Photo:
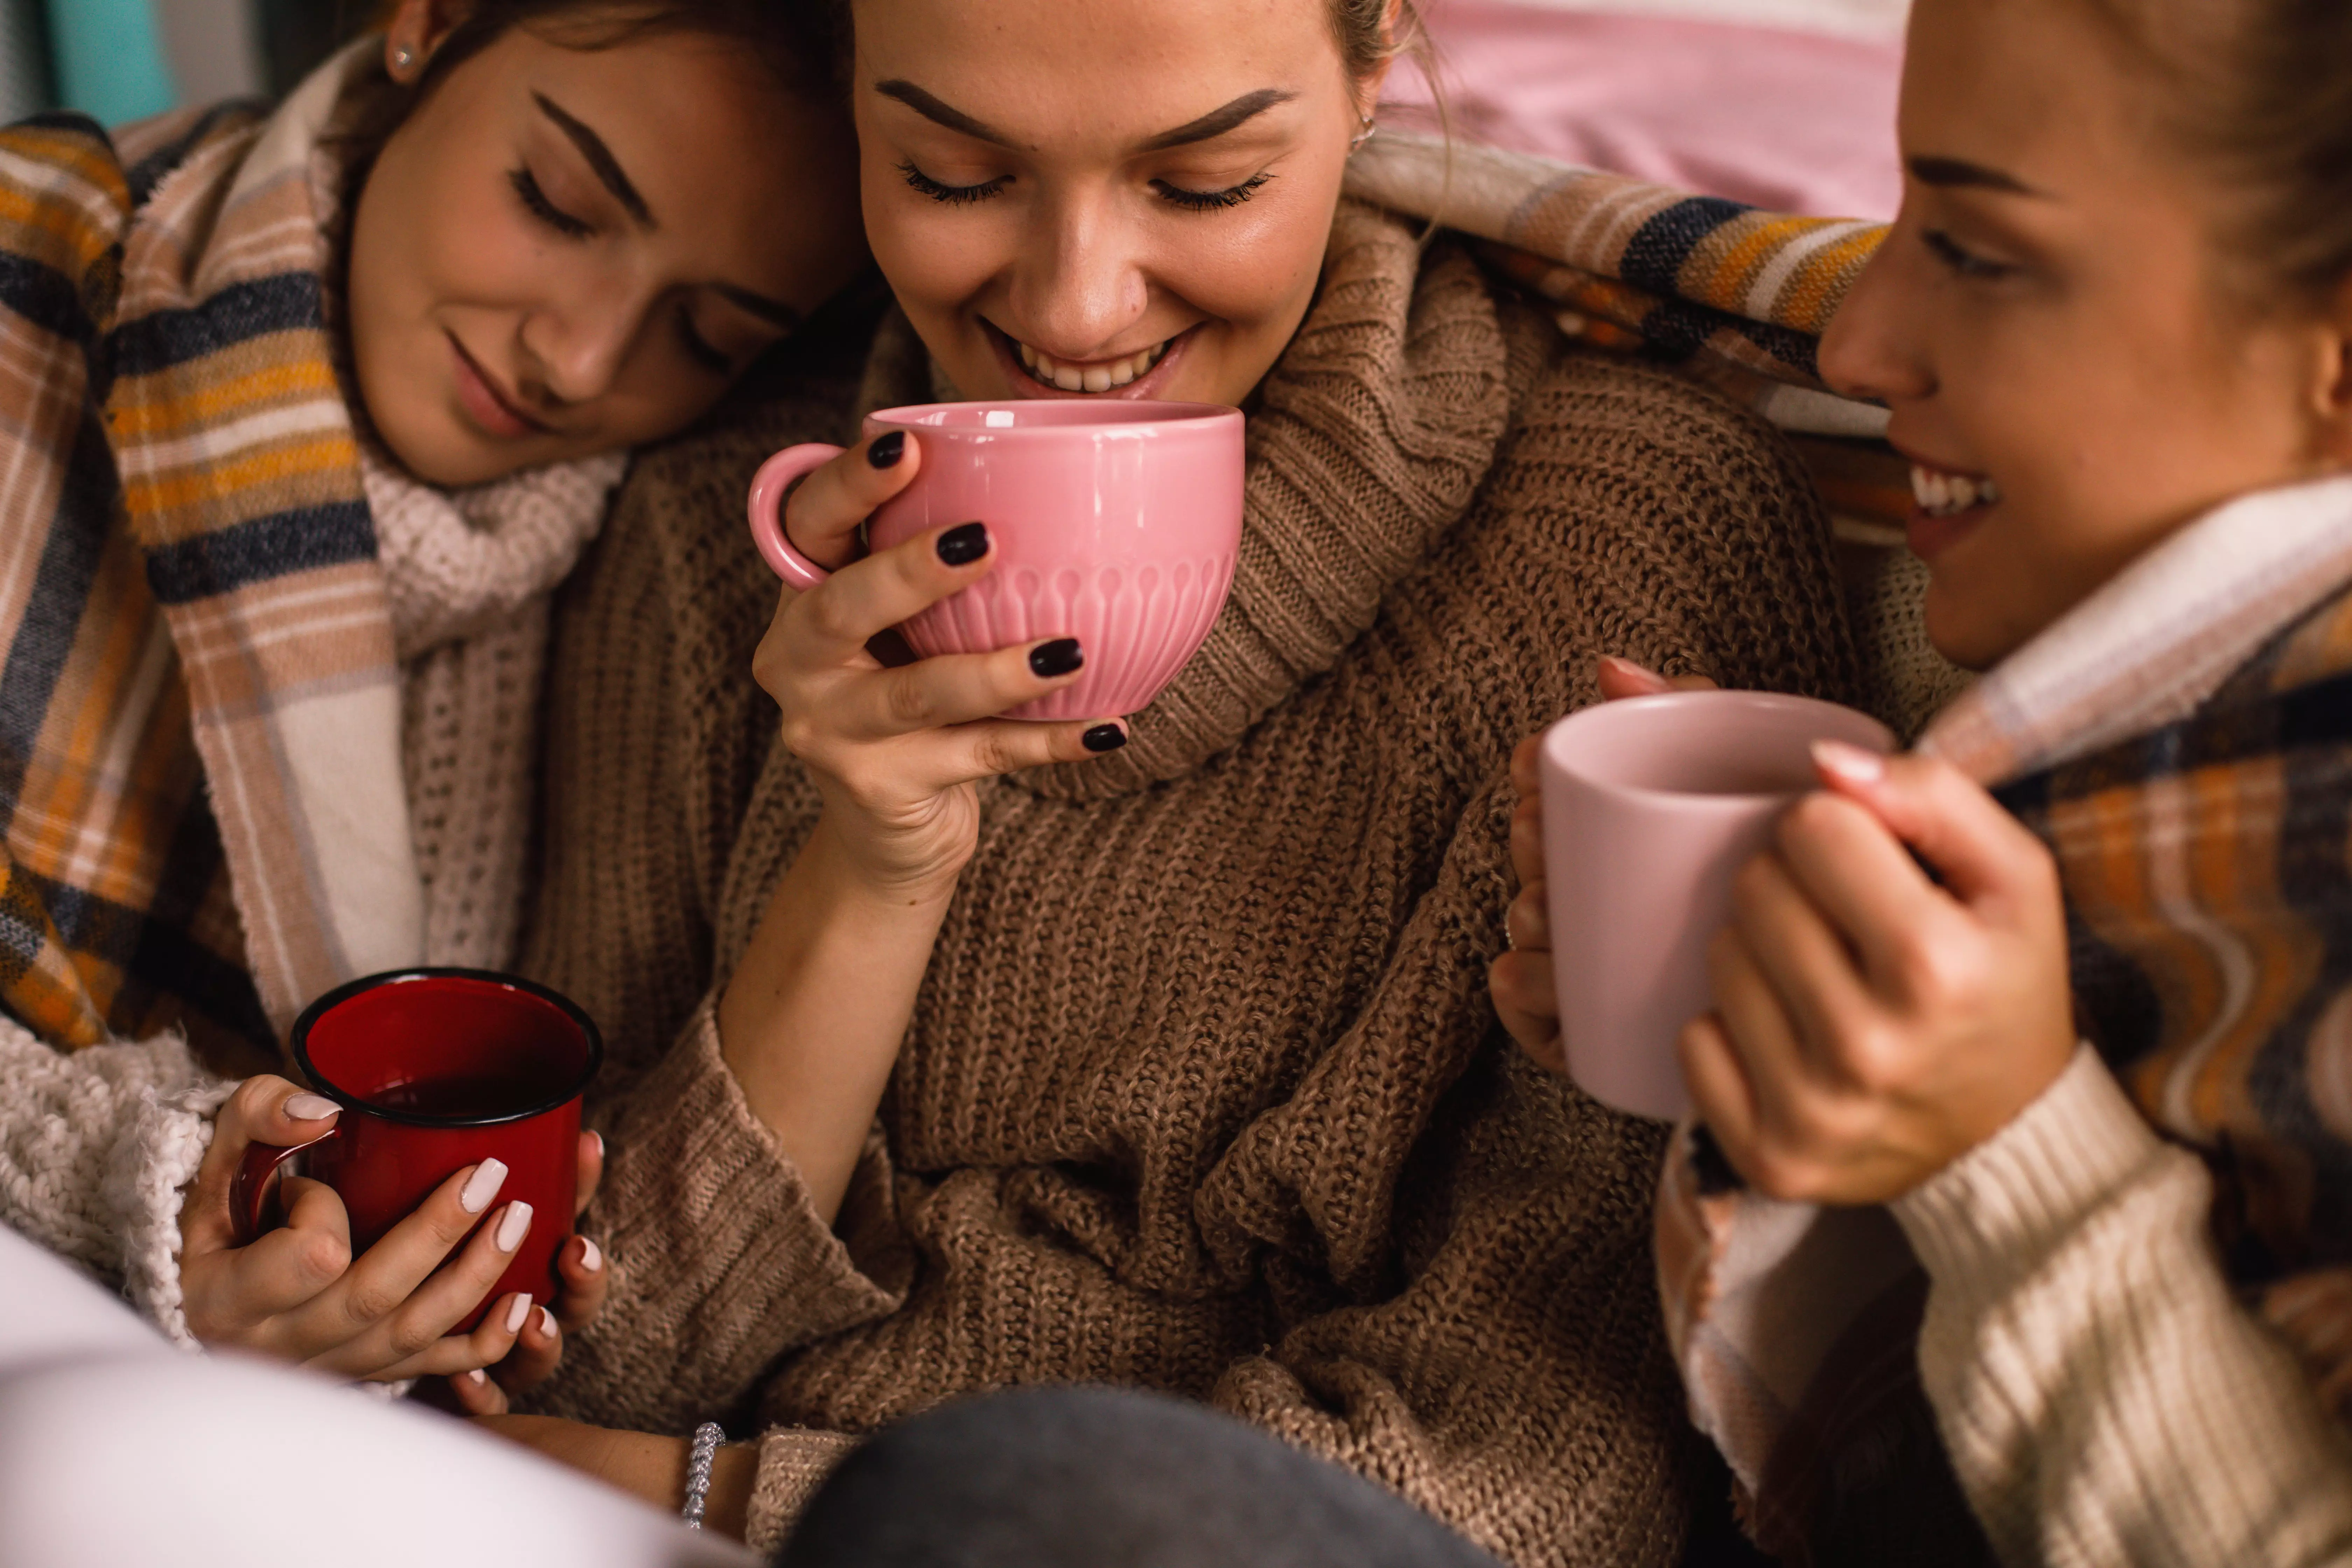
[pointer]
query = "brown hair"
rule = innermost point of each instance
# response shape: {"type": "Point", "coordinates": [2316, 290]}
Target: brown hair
{"type": "Point", "coordinates": [793, 38]}
{"type": "Point", "coordinates": [2261, 92]}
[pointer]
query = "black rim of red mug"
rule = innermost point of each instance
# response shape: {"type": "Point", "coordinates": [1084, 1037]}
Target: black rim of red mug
{"type": "Point", "coordinates": [366, 982]}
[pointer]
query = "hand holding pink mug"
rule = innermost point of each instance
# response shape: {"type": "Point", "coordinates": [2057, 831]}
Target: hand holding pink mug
{"type": "Point", "coordinates": [1115, 523]}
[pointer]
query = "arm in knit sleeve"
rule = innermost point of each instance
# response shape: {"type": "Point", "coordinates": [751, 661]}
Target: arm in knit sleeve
{"type": "Point", "coordinates": [95, 1149]}
{"type": "Point", "coordinates": [2103, 1395]}
{"type": "Point", "coordinates": [720, 1263]}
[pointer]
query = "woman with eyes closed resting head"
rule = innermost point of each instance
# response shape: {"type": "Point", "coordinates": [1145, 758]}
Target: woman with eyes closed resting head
{"type": "Point", "coordinates": [1151, 1049]}
{"type": "Point", "coordinates": [311, 411]}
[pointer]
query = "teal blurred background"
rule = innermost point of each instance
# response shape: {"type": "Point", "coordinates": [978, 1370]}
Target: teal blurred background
{"type": "Point", "coordinates": [122, 59]}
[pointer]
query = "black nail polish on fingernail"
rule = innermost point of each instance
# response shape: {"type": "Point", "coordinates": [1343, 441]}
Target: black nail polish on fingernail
{"type": "Point", "coordinates": [885, 450]}
{"type": "Point", "coordinates": [964, 544]}
{"type": "Point", "coordinates": [1104, 738]}
{"type": "Point", "coordinates": [1056, 657]}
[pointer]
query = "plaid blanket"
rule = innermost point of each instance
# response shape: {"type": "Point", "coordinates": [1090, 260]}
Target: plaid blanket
{"type": "Point", "coordinates": [2183, 743]}
{"type": "Point", "coordinates": [200, 770]}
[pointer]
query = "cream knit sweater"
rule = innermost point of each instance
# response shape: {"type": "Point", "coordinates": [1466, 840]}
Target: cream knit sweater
{"type": "Point", "coordinates": [96, 1147]}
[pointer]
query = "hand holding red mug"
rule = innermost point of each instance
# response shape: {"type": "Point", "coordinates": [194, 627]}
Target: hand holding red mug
{"type": "Point", "coordinates": [297, 1293]}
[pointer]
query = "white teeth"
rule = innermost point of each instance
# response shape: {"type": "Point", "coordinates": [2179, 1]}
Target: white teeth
{"type": "Point", "coordinates": [1940, 494]}
{"type": "Point", "coordinates": [1102, 377]}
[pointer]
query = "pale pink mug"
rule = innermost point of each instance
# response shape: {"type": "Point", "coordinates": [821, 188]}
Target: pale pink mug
{"type": "Point", "coordinates": [1116, 523]}
{"type": "Point", "coordinates": [1651, 806]}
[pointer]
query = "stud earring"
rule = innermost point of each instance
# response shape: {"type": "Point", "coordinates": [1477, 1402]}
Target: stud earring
{"type": "Point", "coordinates": [1362, 136]}
{"type": "Point", "coordinates": [402, 59]}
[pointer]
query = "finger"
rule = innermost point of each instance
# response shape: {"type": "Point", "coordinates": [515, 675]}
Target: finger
{"type": "Point", "coordinates": [1807, 965]}
{"type": "Point", "coordinates": [1527, 922]}
{"type": "Point", "coordinates": [285, 1268]}
{"type": "Point", "coordinates": [825, 511]}
{"type": "Point", "coordinates": [1856, 872]}
{"type": "Point", "coordinates": [538, 1350]}
{"type": "Point", "coordinates": [1521, 986]}
{"type": "Point", "coordinates": [958, 688]}
{"type": "Point", "coordinates": [384, 1277]}
{"type": "Point", "coordinates": [1984, 854]}
{"type": "Point", "coordinates": [1753, 1023]}
{"type": "Point", "coordinates": [1620, 677]}
{"type": "Point", "coordinates": [477, 1394]}
{"type": "Point", "coordinates": [1526, 840]}
{"type": "Point", "coordinates": [832, 623]}
{"type": "Point", "coordinates": [591, 1172]}
{"type": "Point", "coordinates": [265, 1108]}
{"type": "Point", "coordinates": [1718, 1090]}
{"type": "Point", "coordinates": [490, 1342]}
{"type": "Point", "coordinates": [580, 1266]}
{"type": "Point", "coordinates": [1526, 778]}
{"type": "Point", "coordinates": [938, 760]}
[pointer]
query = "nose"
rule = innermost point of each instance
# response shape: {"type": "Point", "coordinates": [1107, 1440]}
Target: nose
{"type": "Point", "coordinates": [574, 343]}
{"type": "Point", "coordinates": [1873, 347]}
{"type": "Point", "coordinates": [1078, 283]}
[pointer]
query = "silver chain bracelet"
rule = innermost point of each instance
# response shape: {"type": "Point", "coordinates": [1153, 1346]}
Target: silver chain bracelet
{"type": "Point", "coordinates": [706, 1438]}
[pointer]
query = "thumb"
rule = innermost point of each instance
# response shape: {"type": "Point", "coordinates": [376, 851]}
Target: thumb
{"type": "Point", "coordinates": [1978, 852]}
{"type": "Point", "coordinates": [265, 1108]}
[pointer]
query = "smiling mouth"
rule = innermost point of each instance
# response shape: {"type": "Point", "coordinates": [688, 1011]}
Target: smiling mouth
{"type": "Point", "coordinates": [1087, 375]}
{"type": "Point", "coordinates": [490, 405]}
{"type": "Point", "coordinates": [1942, 493]}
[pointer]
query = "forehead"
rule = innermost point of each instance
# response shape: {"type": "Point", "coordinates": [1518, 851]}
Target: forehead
{"type": "Point", "coordinates": [2041, 90]}
{"type": "Point", "coordinates": [1060, 71]}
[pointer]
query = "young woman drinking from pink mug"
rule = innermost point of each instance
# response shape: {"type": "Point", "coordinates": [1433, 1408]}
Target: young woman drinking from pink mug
{"type": "Point", "coordinates": [313, 409]}
{"type": "Point", "coordinates": [1142, 1048]}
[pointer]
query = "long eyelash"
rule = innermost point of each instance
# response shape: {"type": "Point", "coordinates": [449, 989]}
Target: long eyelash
{"type": "Point", "coordinates": [1209, 201]}
{"type": "Point", "coordinates": [1964, 262]}
{"type": "Point", "coordinates": [697, 347]}
{"type": "Point", "coordinates": [547, 212]}
{"type": "Point", "coordinates": [953, 196]}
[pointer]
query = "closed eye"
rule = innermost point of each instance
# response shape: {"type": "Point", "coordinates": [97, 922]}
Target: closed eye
{"type": "Point", "coordinates": [699, 348]}
{"type": "Point", "coordinates": [1963, 262]}
{"type": "Point", "coordinates": [952, 195]}
{"type": "Point", "coordinates": [1210, 200]}
{"type": "Point", "coordinates": [534, 200]}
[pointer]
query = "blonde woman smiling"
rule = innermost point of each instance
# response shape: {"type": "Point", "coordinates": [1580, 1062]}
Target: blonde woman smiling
{"type": "Point", "coordinates": [1151, 1049]}
{"type": "Point", "coordinates": [308, 415]}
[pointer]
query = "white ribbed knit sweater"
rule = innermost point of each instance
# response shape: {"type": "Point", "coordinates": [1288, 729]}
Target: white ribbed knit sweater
{"type": "Point", "coordinates": [95, 1147]}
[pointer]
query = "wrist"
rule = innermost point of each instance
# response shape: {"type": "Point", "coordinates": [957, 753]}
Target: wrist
{"type": "Point", "coordinates": [887, 885]}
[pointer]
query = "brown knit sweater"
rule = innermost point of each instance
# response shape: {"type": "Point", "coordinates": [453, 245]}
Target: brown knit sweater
{"type": "Point", "coordinates": [1203, 1092]}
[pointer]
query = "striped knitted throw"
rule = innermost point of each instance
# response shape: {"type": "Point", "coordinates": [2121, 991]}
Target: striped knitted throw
{"type": "Point", "coordinates": [199, 690]}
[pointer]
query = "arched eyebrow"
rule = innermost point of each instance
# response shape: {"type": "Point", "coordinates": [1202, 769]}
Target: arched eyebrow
{"type": "Point", "coordinates": [608, 170]}
{"type": "Point", "coordinates": [1214, 123]}
{"type": "Point", "coordinates": [1947, 172]}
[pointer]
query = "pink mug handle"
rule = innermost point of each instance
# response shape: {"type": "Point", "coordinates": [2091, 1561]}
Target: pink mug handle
{"type": "Point", "coordinates": [249, 1191]}
{"type": "Point", "coordinates": [768, 487]}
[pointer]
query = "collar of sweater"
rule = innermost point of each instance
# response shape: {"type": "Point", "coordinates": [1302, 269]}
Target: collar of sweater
{"type": "Point", "coordinates": [1369, 437]}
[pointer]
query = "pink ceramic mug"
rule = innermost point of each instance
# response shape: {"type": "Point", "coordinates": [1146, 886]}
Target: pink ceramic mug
{"type": "Point", "coordinates": [1116, 523]}
{"type": "Point", "coordinates": [1649, 806]}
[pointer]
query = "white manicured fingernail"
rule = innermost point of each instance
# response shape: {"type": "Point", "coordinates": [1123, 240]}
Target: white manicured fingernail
{"type": "Point", "coordinates": [590, 1258]}
{"type": "Point", "coordinates": [308, 1107]}
{"type": "Point", "coordinates": [477, 1378]}
{"type": "Point", "coordinates": [482, 1186]}
{"type": "Point", "coordinates": [512, 1226]}
{"type": "Point", "coordinates": [1849, 765]}
{"type": "Point", "coordinates": [547, 1322]}
{"type": "Point", "coordinates": [517, 1313]}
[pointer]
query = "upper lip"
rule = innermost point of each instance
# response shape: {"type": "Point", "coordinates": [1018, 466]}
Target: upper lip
{"type": "Point", "coordinates": [1940, 467]}
{"type": "Point", "coordinates": [1013, 341]}
{"type": "Point", "coordinates": [498, 394]}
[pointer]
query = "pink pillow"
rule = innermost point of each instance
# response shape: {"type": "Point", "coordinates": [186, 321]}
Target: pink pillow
{"type": "Point", "coordinates": [1801, 123]}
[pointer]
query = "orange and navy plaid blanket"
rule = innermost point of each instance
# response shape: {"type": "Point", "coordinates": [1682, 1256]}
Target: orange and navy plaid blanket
{"type": "Point", "coordinates": [197, 682]}
{"type": "Point", "coordinates": [2183, 743]}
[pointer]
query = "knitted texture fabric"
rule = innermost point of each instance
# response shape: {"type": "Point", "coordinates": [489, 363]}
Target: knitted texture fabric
{"type": "Point", "coordinates": [1203, 1092]}
{"type": "Point", "coordinates": [469, 573]}
{"type": "Point", "coordinates": [94, 1149]}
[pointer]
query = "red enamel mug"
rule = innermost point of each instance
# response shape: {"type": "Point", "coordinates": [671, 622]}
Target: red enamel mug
{"type": "Point", "coordinates": [437, 1070]}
